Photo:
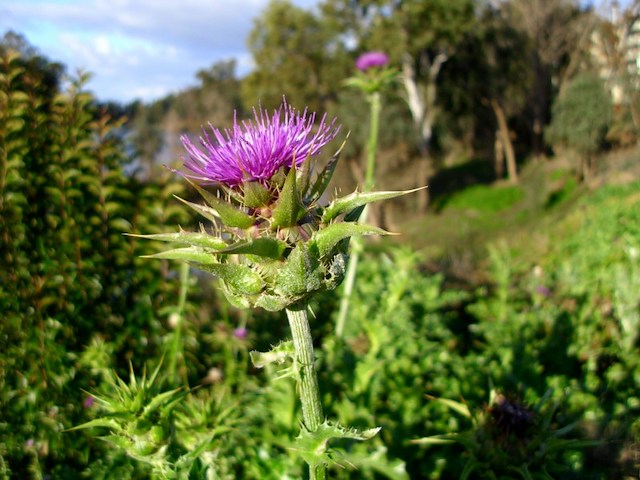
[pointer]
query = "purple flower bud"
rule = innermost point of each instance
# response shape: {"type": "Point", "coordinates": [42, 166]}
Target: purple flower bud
{"type": "Point", "coordinates": [371, 59]}
{"type": "Point", "coordinates": [88, 402]}
{"type": "Point", "coordinates": [240, 333]}
{"type": "Point", "coordinates": [29, 443]}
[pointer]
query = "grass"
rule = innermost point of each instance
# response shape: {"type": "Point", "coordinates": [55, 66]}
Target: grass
{"type": "Point", "coordinates": [528, 218]}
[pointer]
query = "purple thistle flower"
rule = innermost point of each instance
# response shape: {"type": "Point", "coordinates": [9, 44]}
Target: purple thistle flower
{"type": "Point", "coordinates": [240, 333]}
{"type": "Point", "coordinates": [88, 402]}
{"type": "Point", "coordinates": [371, 59]}
{"type": "Point", "coordinates": [254, 150]}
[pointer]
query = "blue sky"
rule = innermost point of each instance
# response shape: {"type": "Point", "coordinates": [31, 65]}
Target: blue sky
{"type": "Point", "coordinates": [141, 49]}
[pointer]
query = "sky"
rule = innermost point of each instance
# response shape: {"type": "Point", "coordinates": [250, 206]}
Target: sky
{"type": "Point", "coordinates": [137, 49]}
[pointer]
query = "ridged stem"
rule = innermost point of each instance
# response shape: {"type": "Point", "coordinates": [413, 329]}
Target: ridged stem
{"type": "Point", "coordinates": [308, 384]}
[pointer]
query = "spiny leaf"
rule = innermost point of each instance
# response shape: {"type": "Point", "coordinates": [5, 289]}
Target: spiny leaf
{"type": "Point", "coordinates": [322, 182]}
{"type": "Point", "coordinates": [288, 209]}
{"type": "Point", "coordinates": [277, 355]}
{"type": "Point", "coordinates": [262, 247]}
{"type": "Point", "coordinates": [164, 399]}
{"type": "Point", "coordinates": [357, 199]}
{"type": "Point", "coordinates": [314, 446]}
{"type": "Point", "coordinates": [241, 278]}
{"type": "Point", "coordinates": [195, 239]}
{"type": "Point", "coordinates": [207, 212]}
{"type": "Point", "coordinates": [187, 254]}
{"type": "Point", "coordinates": [229, 214]}
{"type": "Point", "coordinates": [255, 194]}
{"type": "Point", "coordinates": [328, 237]}
{"type": "Point", "coordinates": [98, 422]}
{"type": "Point", "coordinates": [303, 176]}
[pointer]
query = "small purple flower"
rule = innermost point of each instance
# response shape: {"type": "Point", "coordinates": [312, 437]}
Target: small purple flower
{"type": "Point", "coordinates": [371, 59]}
{"type": "Point", "coordinates": [88, 402]}
{"type": "Point", "coordinates": [240, 333]}
{"type": "Point", "coordinates": [542, 290]}
{"type": "Point", "coordinates": [29, 443]}
{"type": "Point", "coordinates": [254, 150]}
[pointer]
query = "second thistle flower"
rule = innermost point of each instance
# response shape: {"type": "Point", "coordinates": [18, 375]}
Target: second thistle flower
{"type": "Point", "coordinates": [270, 241]}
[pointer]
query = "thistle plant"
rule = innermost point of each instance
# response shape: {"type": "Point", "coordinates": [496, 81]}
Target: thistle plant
{"type": "Point", "coordinates": [508, 437]}
{"type": "Point", "coordinates": [272, 242]}
{"type": "Point", "coordinates": [372, 78]}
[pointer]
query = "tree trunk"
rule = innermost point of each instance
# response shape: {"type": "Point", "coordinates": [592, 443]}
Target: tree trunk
{"type": "Point", "coordinates": [507, 144]}
{"type": "Point", "coordinates": [421, 103]}
{"type": "Point", "coordinates": [498, 155]}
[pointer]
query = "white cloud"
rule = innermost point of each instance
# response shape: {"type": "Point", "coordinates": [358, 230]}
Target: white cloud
{"type": "Point", "coordinates": [137, 48]}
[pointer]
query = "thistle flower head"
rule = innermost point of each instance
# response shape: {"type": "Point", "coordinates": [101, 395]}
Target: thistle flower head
{"type": "Point", "coordinates": [371, 60]}
{"type": "Point", "coordinates": [254, 150]}
{"type": "Point", "coordinates": [270, 242]}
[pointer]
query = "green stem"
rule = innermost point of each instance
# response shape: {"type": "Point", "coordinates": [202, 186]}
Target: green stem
{"type": "Point", "coordinates": [308, 381]}
{"type": "Point", "coordinates": [374, 122]}
{"type": "Point", "coordinates": [356, 243]}
{"type": "Point", "coordinates": [175, 350]}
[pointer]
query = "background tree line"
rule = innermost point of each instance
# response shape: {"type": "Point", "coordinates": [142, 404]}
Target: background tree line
{"type": "Point", "coordinates": [477, 80]}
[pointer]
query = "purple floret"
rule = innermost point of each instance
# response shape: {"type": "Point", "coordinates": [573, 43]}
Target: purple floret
{"type": "Point", "coordinates": [254, 150]}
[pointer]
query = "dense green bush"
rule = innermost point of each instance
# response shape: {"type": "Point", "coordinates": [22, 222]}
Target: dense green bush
{"type": "Point", "coordinates": [68, 274]}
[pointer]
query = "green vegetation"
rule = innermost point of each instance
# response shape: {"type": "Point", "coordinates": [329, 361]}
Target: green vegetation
{"type": "Point", "coordinates": [484, 198]}
{"type": "Point", "coordinates": [507, 313]}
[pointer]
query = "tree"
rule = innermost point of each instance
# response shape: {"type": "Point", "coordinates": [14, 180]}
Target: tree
{"type": "Point", "coordinates": [554, 29]}
{"type": "Point", "coordinates": [614, 53]}
{"type": "Point", "coordinates": [581, 118]}
{"type": "Point", "coordinates": [485, 87]}
{"type": "Point", "coordinates": [296, 55]}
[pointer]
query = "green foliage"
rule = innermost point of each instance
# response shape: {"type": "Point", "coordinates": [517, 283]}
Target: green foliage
{"type": "Point", "coordinates": [581, 115]}
{"type": "Point", "coordinates": [69, 276]}
{"type": "Point", "coordinates": [297, 55]}
{"type": "Point", "coordinates": [485, 198]}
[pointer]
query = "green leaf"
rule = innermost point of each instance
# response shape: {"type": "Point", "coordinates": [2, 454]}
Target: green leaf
{"type": "Point", "coordinates": [442, 439]}
{"type": "Point", "coordinates": [227, 212]}
{"type": "Point", "coordinates": [303, 176]}
{"type": "Point", "coordinates": [195, 239]}
{"type": "Point", "coordinates": [469, 467]}
{"type": "Point", "coordinates": [314, 446]}
{"type": "Point", "coordinates": [240, 278]}
{"type": "Point", "coordinates": [188, 254]}
{"type": "Point", "coordinates": [98, 422]}
{"type": "Point", "coordinates": [328, 237]}
{"type": "Point", "coordinates": [459, 407]}
{"type": "Point", "coordinates": [301, 273]}
{"type": "Point", "coordinates": [279, 354]}
{"type": "Point", "coordinates": [255, 194]}
{"type": "Point", "coordinates": [324, 177]}
{"type": "Point", "coordinates": [207, 212]}
{"type": "Point", "coordinates": [357, 199]}
{"type": "Point", "coordinates": [289, 208]}
{"type": "Point", "coordinates": [262, 247]}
